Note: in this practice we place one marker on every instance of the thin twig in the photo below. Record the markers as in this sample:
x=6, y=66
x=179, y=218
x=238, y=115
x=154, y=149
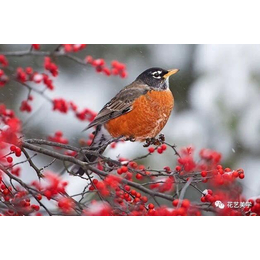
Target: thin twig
x=37, y=170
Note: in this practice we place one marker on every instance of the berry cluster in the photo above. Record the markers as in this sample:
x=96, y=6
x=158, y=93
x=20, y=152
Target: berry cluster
x=160, y=149
x=46, y=81
x=11, y=132
x=98, y=208
x=73, y=47
x=25, y=105
x=36, y=47
x=3, y=61
x=22, y=75
x=50, y=66
x=254, y=210
x=19, y=200
x=61, y=105
x=28, y=74
x=110, y=183
x=66, y=205
x=207, y=196
x=3, y=78
x=86, y=115
x=117, y=68
x=186, y=160
x=54, y=186
x=132, y=167
x=16, y=150
x=58, y=138
x=64, y=107
x=164, y=184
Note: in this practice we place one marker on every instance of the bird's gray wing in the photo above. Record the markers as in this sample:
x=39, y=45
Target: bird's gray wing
x=121, y=104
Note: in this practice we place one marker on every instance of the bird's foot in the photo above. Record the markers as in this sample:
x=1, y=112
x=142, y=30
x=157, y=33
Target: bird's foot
x=130, y=138
x=154, y=141
x=161, y=138
x=147, y=142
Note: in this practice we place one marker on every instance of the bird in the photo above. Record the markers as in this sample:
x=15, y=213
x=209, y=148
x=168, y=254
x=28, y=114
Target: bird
x=138, y=112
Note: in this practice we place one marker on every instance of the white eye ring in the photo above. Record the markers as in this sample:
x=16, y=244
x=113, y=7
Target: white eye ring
x=157, y=74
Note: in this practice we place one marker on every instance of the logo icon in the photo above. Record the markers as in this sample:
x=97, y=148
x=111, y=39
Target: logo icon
x=219, y=204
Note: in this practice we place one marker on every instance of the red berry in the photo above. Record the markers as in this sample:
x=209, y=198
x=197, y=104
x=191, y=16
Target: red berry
x=221, y=171
x=6, y=191
x=136, y=200
x=58, y=134
x=35, y=207
x=167, y=169
x=210, y=192
x=133, y=192
x=36, y=46
x=175, y=203
x=185, y=203
x=235, y=174
x=9, y=159
x=181, y=211
x=178, y=168
x=203, y=199
x=163, y=147
x=144, y=199
x=138, y=195
x=107, y=71
x=127, y=188
x=119, y=171
x=151, y=149
x=251, y=201
x=159, y=150
x=207, y=197
x=91, y=188
x=39, y=196
x=13, y=148
x=128, y=175
x=89, y=59
x=95, y=181
x=123, y=74
x=138, y=176
x=124, y=169
x=29, y=70
x=18, y=152
x=151, y=206
x=203, y=173
x=241, y=176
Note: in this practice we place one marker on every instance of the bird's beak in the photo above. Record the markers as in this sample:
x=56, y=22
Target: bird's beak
x=170, y=72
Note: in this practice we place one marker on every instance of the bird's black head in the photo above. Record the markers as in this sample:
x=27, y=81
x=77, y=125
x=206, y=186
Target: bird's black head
x=156, y=78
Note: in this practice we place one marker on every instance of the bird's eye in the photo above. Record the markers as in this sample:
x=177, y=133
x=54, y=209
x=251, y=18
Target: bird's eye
x=157, y=74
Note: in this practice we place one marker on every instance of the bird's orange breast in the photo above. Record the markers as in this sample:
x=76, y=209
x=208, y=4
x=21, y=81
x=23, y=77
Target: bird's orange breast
x=147, y=118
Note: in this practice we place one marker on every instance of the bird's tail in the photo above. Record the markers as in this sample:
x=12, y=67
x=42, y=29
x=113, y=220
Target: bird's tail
x=99, y=144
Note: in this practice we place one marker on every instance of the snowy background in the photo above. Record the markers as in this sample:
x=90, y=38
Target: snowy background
x=217, y=101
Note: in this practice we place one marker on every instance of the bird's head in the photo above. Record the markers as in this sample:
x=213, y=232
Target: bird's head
x=157, y=78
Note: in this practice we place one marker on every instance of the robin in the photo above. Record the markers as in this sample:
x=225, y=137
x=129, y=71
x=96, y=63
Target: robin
x=138, y=112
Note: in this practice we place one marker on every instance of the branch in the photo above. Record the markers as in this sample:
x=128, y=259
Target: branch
x=44, y=53
x=87, y=166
